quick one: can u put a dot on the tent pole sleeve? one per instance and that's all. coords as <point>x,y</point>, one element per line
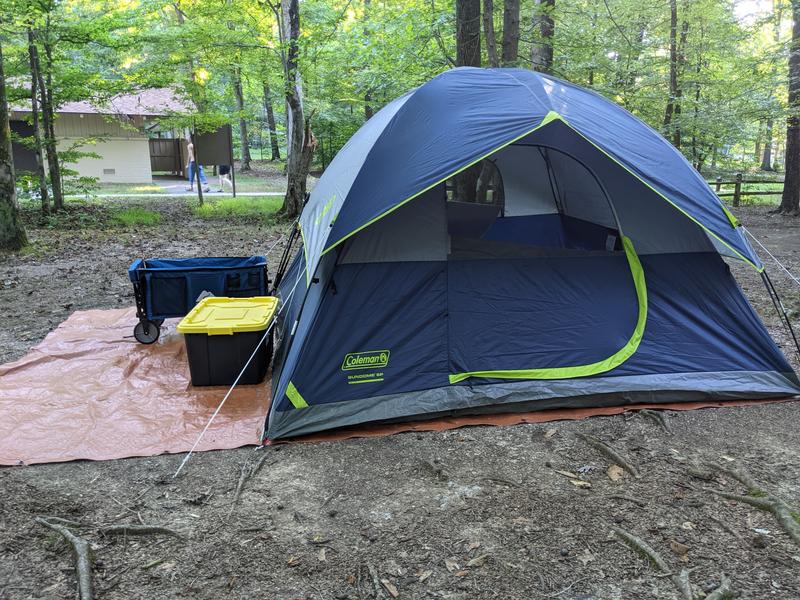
<point>613,361</point>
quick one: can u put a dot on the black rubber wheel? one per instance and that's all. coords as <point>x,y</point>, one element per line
<point>146,332</point>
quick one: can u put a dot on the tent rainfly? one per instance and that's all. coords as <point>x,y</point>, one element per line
<point>501,240</point>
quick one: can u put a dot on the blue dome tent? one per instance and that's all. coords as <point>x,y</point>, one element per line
<point>501,240</point>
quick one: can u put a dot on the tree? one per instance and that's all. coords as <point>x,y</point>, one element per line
<point>468,33</point>
<point>12,232</point>
<point>790,200</point>
<point>510,33</point>
<point>239,95</point>
<point>273,132</point>
<point>543,30</point>
<point>488,33</point>
<point>37,129</point>
<point>301,141</point>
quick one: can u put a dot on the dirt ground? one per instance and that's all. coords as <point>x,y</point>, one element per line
<point>471,513</point>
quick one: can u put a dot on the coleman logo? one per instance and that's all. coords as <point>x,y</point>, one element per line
<point>373,359</point>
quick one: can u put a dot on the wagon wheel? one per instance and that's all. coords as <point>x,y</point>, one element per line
<point>146,332</point>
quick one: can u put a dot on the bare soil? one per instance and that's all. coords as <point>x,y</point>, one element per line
<point>471,513</point>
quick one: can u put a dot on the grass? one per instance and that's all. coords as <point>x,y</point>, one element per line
<point>136,217</point>
<point>241,207</point>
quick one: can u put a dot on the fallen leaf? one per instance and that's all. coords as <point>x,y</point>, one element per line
<point>390,587</point>
<point>728,458</point>
<point>450,564</point>
<point>615,472</point>
<point>586,557</point>
<point>550,433</point>
<point>566,474</point>
<point>478,561</point>
<point>688,526</point>
<point>351,579</point>
<point>580,483</point>
<point>293,561</point>
<point>321,554</point>
<point>462,573</point>
<point>682,550</point>
<point>472,546</point>
<point>424,575</point>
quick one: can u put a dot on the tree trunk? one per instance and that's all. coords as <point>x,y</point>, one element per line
<point>49,118</point>
<point>510,33</point>
<point>368,110</point>
<point>468,33</point>
<point>543,30</point>
<point>790,200</point>
<point>759,141</point>
<point>766,160</point>
<point>488,33</point>
<point>12,233</point>
<point>676,130</point>
<point>243,137</point>
<point>673,65</point>
<point>301,141</point>
<point>37,129</point>
<point>273,131</point>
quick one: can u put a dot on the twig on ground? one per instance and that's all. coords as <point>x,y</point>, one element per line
<point>566,589</point>
<point>127,530</point>
<point>609,453</point>
<point>723,591</point>
<point>657,417</point>
<point>636,501</point>
<point>376,582</point>
<point>248,471</point>
<point>83,559</point>
<point>641,547</point>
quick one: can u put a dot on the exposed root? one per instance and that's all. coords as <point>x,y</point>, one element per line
<point>248,470</point>
<point>761,500</point>
<point>681,581</point>
<point>723,591</point>
<point>641,547</point>
<point>83,559</point>
<point>609,453</point>
<point>657,417</point>
<point>138,530</point>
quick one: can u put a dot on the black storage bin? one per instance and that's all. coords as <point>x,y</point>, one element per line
<point>218,359</point>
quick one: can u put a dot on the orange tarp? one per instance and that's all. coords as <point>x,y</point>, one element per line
<point>90,391</point>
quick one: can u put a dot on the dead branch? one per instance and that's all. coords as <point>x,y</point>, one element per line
<point>138,530</point>
<point>723,591</point>
<point>83,559</point>
<point>609,453</point>
<point>657,417</point>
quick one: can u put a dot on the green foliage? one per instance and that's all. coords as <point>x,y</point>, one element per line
<point>137,216</point>
<point>242,207</point>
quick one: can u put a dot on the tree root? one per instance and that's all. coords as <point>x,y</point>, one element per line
<point>83,559</point>
<point>761,500</point>
<point>681,580</point>
<point>248,470</point>
<point>609,453</point>
<point>657,417</point>
<point>138,530</point>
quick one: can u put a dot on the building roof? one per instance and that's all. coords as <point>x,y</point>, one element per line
<point>154,102</point>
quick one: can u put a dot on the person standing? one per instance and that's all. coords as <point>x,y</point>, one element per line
<point>191,165</point>
<point>224,175</point>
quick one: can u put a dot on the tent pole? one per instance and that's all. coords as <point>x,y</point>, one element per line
<point>779,307</point>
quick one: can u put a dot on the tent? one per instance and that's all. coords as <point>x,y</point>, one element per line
<point>501,240</point>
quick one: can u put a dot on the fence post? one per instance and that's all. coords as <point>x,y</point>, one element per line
<point>719,183</point>
<point>737,191</point>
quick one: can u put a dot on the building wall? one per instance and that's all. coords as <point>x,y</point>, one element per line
<point>124,152</point>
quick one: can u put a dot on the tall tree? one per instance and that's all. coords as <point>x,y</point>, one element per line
<point>301,141</point>
<point>243,137</point>
<point>543,31</point>
<point>767,159</point>
<point>488,33</point>
<point>12,232</point>
<point>37,128</point>
<point>468,33</point>
<point>45,81</point>
<point>368,109</point>
<point>790,200</point>
<point>271,125</point>
<point>510,33</point>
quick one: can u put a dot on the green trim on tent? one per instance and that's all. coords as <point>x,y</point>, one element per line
<point>294,397</point>
<point>731,217</point>
<point>305,254</point>
<point>613,361</point>
<point>548,118</point>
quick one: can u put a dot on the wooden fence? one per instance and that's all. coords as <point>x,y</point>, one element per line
<point>738,192</point>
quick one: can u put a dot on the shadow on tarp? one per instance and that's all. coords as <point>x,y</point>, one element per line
<point>90,391</point>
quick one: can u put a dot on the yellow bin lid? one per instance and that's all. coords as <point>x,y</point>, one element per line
<point>217,315</point>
